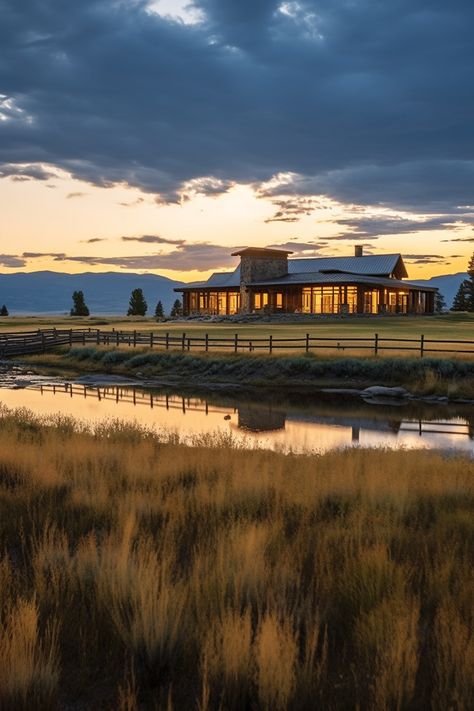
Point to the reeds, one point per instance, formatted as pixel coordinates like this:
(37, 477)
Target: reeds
(139, 573)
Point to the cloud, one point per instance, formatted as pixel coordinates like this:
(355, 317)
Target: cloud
(376, 226)
(426, 258)
(93, 240)
(186, 257)
(153, 239)
(75, 195)
(43, 255)
(306, 248)
(133, 203)
(361, 101)
(292, 209)
(459, 239)
(11, 261)
(24, 172)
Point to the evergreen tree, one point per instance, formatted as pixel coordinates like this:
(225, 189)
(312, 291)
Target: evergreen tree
(4, 311)
(462, 300)
(177, 309)
(159, 313)
(79, 305)
(137, 306)
(440, 303)
(470, 271)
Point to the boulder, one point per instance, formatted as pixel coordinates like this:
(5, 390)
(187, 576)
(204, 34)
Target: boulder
(382, 391)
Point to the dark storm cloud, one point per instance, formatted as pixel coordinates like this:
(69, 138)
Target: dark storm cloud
(363, 101)
(153, 239)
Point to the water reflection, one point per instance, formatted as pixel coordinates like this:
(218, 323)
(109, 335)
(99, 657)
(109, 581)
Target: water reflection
(316, 422)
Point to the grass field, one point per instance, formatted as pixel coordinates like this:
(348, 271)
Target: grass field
(449, 326)
(137, 573)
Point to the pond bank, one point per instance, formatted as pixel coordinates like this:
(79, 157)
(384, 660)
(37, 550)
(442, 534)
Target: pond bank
(433, 378)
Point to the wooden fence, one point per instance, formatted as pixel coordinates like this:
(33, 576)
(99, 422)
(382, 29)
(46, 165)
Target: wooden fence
(43, 340)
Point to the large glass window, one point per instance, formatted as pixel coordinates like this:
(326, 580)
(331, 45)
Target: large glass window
(306, 304)
(234, 302)
(260, 300)
(371, 302)
(351, 299)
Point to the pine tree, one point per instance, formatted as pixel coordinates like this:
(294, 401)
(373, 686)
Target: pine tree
(159, 313)
(137, 306)
(79, 305)
(462, 300)
(470, 287)
(177, 309)
(4, 311)
(440, 303)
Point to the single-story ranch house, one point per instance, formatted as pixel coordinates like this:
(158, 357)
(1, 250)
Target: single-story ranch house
(266, 280)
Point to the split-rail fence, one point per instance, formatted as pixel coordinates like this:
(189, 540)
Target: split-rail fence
(43, 340)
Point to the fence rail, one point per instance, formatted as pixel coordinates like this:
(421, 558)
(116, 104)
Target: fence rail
(43, 340)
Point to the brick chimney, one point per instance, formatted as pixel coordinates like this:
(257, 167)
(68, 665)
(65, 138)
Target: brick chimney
(358, 250)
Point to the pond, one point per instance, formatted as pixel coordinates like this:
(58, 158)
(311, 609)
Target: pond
(318, 422)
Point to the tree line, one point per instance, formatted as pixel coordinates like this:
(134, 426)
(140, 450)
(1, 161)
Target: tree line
(137, 306)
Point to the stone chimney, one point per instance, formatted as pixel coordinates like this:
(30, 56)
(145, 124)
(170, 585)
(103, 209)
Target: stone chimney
(259, 264)
(358, 250)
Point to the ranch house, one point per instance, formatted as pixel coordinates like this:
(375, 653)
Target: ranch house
(266, 280)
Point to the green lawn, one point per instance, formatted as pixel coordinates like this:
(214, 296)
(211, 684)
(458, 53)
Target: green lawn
(449, 326)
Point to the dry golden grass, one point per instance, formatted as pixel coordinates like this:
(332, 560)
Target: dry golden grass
(139, 573)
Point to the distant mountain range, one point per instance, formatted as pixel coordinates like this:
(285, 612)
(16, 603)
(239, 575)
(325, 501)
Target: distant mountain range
(107, 293)
(448, 284)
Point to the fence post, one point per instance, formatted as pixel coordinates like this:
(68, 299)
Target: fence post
(422, 345)
(236, 343)
(70, 337)
(250, 347)
(207, 342)
(151, 339)
(134, 339)
(167, 341)
(83, 338)
(189, 344)
(98, 337)
(117, 338)
(376, 344)
(183, 342)
(307, 342)
(270, 343)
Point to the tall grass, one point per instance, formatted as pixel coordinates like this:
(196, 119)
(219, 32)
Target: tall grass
(139, 573)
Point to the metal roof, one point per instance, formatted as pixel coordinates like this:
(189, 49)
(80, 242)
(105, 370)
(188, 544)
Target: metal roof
(372, 264)
(318, 270)
(218, 280)
(311, 278)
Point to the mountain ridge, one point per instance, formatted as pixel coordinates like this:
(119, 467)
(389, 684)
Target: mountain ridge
(105, 293)
(448, 284)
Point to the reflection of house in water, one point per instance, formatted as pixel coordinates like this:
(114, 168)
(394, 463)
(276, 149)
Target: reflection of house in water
(260, 418)
(352, 416)
(265, 418)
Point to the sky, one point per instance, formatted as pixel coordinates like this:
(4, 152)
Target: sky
(159, 135)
